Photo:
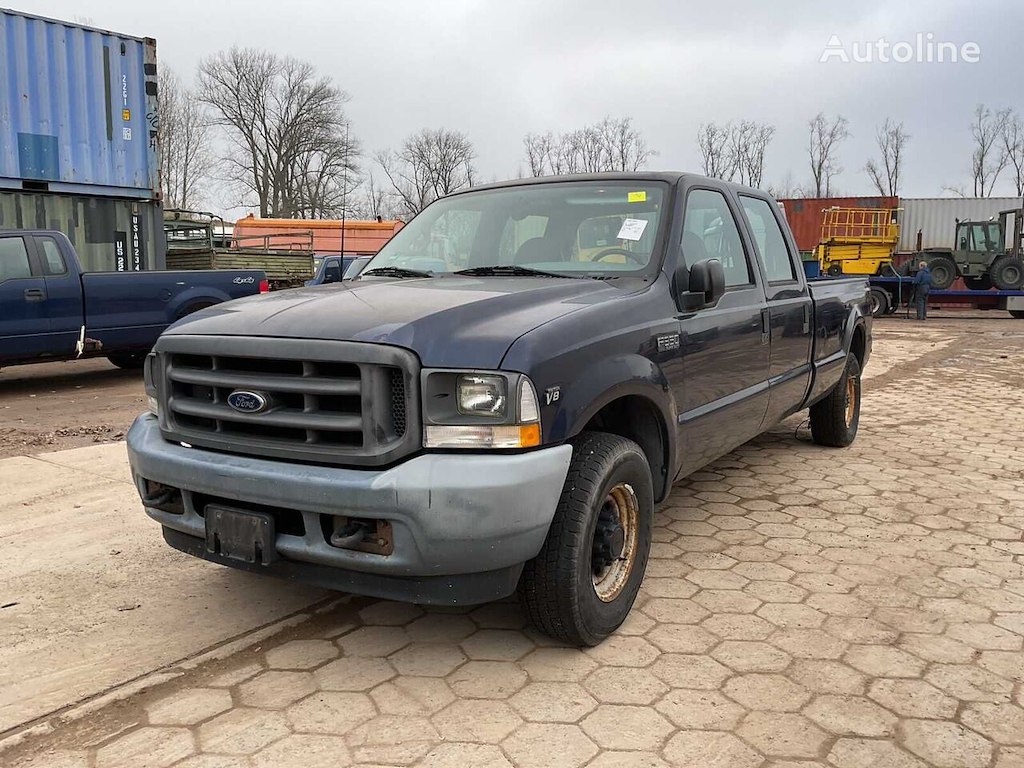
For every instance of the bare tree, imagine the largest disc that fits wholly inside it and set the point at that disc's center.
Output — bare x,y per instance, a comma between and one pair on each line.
373,201
613,144
430,164
715,149
735,151
787,189
749,143
822,150
989,157
291,149
891,139
185,152
1013,146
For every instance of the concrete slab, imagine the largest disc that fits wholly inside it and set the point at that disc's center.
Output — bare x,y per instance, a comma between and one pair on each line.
95,598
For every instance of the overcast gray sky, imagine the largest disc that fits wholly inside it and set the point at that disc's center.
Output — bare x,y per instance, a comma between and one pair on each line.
498,69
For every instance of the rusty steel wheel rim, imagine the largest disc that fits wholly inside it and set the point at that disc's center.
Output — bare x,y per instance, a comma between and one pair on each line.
851,400
615,542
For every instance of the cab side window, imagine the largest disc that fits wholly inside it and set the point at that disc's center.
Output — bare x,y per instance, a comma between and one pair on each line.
53,262
710,232
14,263
771,243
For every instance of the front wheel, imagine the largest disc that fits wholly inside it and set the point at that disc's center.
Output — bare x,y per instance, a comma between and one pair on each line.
835,419
582,584
1008,273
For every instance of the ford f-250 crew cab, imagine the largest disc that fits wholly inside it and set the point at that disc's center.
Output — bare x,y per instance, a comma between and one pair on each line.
501,397
51,310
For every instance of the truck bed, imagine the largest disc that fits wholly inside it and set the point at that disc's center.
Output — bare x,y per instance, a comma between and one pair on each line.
281,268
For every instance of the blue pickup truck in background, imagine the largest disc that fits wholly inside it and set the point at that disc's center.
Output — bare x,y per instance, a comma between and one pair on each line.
51,310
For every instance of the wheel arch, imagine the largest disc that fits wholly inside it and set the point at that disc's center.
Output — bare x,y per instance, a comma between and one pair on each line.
641,414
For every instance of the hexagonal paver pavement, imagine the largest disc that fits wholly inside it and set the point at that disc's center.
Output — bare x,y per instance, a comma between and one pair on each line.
803,607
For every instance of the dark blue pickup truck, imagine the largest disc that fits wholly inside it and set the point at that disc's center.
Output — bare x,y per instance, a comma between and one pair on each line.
51,310
500,397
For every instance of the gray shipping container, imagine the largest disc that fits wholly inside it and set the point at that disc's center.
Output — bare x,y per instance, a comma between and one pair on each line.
935,218
110,234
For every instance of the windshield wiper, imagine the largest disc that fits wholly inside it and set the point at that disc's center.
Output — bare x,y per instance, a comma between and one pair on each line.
395,272
507,270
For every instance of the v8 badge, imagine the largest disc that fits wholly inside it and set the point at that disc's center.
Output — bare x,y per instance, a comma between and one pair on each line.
551,395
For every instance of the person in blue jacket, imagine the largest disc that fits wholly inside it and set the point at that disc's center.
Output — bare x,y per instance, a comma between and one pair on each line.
922,286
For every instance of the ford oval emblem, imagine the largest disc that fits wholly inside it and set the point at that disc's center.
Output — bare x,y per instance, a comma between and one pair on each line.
245,401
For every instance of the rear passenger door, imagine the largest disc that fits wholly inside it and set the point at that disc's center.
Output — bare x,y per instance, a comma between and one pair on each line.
723,393
24,325
789,309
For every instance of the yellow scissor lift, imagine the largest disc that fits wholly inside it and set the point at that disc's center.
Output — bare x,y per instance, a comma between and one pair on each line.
857,241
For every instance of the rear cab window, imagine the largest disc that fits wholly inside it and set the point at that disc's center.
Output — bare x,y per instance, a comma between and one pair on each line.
769,240
53,260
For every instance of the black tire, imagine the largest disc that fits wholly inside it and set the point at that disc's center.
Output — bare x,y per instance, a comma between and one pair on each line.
835,270
879,302
1017,313
943,272
1007,273
982,283
835,419
129,361
559,588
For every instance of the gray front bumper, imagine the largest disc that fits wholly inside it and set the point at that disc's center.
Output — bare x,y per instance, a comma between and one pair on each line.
452,514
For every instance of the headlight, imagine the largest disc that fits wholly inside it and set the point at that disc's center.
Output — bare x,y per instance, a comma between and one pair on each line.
483,395
474,409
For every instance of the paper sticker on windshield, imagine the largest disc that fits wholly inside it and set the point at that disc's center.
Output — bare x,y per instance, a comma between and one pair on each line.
632,229
637,197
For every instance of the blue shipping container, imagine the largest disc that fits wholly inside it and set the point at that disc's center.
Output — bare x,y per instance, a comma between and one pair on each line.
78,109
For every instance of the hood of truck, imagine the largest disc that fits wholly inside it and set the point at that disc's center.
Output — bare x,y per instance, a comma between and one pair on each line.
466,322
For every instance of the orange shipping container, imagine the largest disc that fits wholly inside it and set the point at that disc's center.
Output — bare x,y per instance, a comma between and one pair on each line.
361,237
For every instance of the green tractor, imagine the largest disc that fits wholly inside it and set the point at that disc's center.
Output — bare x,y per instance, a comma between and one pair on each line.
983,255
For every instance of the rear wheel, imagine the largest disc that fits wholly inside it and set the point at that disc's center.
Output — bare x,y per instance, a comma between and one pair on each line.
835,419
582,584
943,272
130,361
879,302
1007,273
982,283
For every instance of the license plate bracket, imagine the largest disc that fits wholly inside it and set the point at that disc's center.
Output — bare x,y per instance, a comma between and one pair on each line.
242,535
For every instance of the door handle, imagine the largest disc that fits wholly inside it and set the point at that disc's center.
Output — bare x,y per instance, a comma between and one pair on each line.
766,326
35,294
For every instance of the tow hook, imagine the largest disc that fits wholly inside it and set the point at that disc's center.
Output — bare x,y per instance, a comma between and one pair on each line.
350,534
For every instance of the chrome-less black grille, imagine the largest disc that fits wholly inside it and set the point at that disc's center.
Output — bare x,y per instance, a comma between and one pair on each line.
338,403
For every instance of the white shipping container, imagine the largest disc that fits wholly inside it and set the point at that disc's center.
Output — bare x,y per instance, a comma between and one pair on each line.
935,217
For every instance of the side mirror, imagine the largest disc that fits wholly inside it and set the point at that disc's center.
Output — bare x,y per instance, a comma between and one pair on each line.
707,279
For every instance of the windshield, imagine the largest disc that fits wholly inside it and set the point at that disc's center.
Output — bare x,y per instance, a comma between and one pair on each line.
597,229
